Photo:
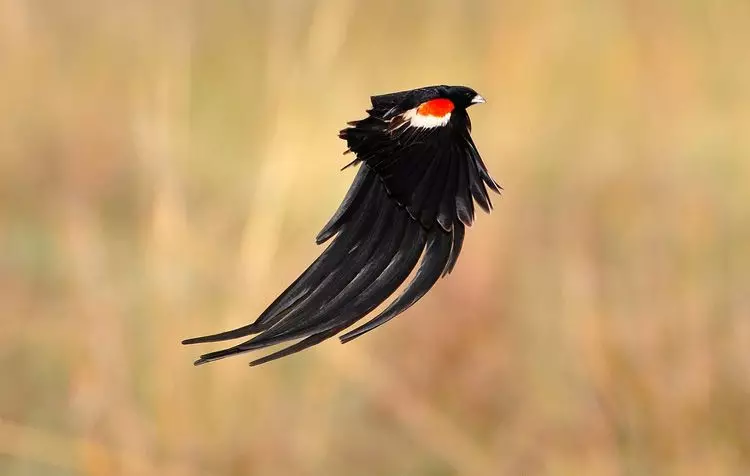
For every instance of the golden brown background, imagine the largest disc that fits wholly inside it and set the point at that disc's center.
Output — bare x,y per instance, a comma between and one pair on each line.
164,167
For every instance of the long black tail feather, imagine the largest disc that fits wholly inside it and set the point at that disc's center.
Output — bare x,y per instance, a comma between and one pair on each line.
371,287
349,279
434,262
327,262
376,246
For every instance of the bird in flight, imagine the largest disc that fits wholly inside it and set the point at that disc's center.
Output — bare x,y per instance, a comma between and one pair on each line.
413,196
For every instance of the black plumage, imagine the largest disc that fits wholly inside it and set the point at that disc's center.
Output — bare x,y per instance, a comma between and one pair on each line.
419,176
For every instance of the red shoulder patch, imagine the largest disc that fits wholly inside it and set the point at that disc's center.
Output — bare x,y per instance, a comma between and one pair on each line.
436,107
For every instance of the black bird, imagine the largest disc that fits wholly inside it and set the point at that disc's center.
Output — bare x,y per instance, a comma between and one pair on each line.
412,197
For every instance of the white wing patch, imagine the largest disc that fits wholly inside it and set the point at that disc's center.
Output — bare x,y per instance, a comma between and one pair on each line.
423,121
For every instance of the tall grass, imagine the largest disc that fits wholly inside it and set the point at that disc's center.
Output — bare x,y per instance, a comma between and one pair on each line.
165,165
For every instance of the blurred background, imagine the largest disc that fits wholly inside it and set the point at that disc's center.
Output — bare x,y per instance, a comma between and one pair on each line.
164,167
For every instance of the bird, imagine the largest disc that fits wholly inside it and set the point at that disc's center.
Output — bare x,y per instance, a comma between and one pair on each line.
419,174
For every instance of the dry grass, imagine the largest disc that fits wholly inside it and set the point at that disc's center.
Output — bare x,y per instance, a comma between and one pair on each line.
157,163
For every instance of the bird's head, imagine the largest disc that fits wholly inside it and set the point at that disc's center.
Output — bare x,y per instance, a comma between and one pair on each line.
449,96
433,106
460,96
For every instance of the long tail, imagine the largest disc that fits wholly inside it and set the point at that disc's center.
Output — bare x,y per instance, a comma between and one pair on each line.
376,245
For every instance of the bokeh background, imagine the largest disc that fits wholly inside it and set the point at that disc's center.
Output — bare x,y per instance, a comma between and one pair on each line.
164,167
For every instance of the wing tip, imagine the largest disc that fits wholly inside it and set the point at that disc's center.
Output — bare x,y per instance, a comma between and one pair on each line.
496,187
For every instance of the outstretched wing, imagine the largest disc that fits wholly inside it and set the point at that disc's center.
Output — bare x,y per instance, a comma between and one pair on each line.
412,198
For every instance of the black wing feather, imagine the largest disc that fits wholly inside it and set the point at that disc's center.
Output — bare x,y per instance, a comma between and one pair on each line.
447,212
478,192
459,230
440,185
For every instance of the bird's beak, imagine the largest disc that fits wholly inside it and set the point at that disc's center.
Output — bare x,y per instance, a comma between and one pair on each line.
478,100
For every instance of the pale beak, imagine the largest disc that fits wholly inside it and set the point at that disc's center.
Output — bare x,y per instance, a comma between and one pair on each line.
478,100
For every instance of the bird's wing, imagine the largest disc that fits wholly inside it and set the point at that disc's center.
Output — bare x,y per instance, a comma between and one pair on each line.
412,197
